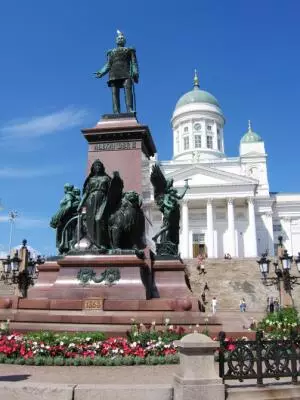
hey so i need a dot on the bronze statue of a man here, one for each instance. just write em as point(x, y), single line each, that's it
point(123, 73)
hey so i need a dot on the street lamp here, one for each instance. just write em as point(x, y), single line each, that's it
point(286, 261)
point(282, 273)
point(12, 215)
point(21, 271)
point(263, 264)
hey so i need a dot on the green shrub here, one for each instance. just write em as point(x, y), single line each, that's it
point(39, 360)
point(279, 325)
point(29, 361)
point(98, 360)
point(139, 361)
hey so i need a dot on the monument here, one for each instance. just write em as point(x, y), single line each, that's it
point(104, 263)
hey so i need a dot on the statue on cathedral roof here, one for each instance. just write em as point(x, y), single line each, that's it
point(167, 199)
point(122, 67)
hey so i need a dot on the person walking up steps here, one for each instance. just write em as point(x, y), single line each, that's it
point(214, 305)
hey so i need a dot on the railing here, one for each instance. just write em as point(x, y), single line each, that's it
point(260, 359)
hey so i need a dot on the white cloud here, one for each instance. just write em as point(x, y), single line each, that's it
point(44, 125)
point(8, 172)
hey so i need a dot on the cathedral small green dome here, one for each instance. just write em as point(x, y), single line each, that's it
point(250, 136)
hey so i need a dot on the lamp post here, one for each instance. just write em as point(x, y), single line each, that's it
point(22, 270)
point(12, 215)
point(282, 272)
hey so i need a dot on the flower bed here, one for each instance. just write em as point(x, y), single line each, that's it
point(143, 345)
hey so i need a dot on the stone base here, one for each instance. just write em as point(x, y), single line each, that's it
point(47, 276)
point(128, 286)
point(205, 389)
point(170, 283)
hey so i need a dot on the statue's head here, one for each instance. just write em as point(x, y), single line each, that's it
point(97, 168)
point(76, 191)
point(68, 187)
point(133, 197)
point(120, 39)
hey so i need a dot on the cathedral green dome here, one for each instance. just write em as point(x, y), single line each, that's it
point(197, 96)
point(250, 136)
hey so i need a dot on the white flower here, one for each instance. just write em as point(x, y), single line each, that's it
point(135, 333)
point(197, 326)
point(88, 339)
point(153, 323)
point(171, 327)
point(167, 320)
point(61, 343)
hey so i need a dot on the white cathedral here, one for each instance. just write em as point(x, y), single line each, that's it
point(229, 207)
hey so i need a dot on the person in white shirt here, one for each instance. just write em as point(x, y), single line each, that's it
point(214, 304)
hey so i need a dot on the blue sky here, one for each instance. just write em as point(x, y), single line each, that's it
point(246, 52)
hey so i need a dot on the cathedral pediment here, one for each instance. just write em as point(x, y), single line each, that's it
point(207, 176)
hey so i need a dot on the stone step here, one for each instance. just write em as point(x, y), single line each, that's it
point(230, 281)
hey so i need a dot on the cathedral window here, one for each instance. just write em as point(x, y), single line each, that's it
point(219, 144)
point(186, 143)
point(209, 127)
point(209, 142)
point(185, 129)
point(197, 141)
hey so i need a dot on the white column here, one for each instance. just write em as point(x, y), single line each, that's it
point(210, 228)
point(268, 222)
point(286, 224)
point(185, 230)
point(231, 228)
point(252, 247)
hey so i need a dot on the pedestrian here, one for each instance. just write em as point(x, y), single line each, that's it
point(276, 305)
point(200, 264)
point(243, 305)
point(214, 305)
point(271, 305)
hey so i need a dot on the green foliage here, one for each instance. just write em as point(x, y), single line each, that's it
point(144, 333)
point(98, 360)
point(49, 361)
point(278, 325)
point(58, 361)
point(53, 338)
point(38, 360)
point(139, 361)
point(29, 361)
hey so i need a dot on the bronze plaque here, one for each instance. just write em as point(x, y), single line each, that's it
point(93, 304)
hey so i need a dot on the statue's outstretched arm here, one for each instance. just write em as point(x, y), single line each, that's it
point(181, 196)
point(104, 70)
